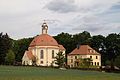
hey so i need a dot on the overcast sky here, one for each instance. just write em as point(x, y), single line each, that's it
point(23, 18)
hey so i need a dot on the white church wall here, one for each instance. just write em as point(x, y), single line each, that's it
point(50, 59)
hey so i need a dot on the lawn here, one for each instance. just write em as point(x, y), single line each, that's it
point(38, 73)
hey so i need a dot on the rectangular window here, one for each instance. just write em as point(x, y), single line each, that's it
point(91, 57)
point(91, 63)
point(71, 60)
point(96, 57)
point(75, 57)
point(41, 62)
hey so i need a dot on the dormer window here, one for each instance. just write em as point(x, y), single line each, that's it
point(89, 50)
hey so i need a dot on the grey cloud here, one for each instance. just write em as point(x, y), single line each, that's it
point(90, 23)
point(66, 6)
point(89, 27)
point(117, 6)
point(62, 6)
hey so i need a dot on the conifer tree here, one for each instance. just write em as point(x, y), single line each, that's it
point(60, 59)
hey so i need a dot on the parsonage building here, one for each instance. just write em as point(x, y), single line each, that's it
point(83, 51)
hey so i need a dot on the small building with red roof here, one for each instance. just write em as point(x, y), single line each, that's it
point(84, 51)
point(43, 49)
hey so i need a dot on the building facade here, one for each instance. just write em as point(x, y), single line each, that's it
point(83, 51)
point(42, 50)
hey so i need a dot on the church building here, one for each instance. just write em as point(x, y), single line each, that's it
point(42, 50)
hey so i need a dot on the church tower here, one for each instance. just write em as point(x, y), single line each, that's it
point(44, 28)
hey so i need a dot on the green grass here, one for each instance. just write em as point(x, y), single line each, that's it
point(37, 73)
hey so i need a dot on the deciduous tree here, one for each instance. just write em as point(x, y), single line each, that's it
point(10, 57)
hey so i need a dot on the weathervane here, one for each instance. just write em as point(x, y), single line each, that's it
point(48, 21)
point(44, 21)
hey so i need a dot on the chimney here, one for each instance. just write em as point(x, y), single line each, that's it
point(78, 46)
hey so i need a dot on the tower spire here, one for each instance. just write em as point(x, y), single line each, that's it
point(44, 28)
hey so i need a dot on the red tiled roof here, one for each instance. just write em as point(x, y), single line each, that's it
point(61, 47)
point(44, 40)
point(83, 50)
point(30, 55)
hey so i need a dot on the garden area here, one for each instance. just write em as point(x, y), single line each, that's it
point(42, 73)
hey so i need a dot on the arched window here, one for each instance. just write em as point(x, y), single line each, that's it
point(53, 56)
point(41, 54)
point(35, 52)
point(95, 63)
point(98, 63)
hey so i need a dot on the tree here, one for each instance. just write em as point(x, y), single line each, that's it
point(71, 41)
point(98, 43)
point(5, 45)
point(66, 40)
point(117, 61)
point(34, 60)
point(85, 62)
point(20, 46)
point(112, 47)
point(81, 38)
point(10, 57)
point(60, 59)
